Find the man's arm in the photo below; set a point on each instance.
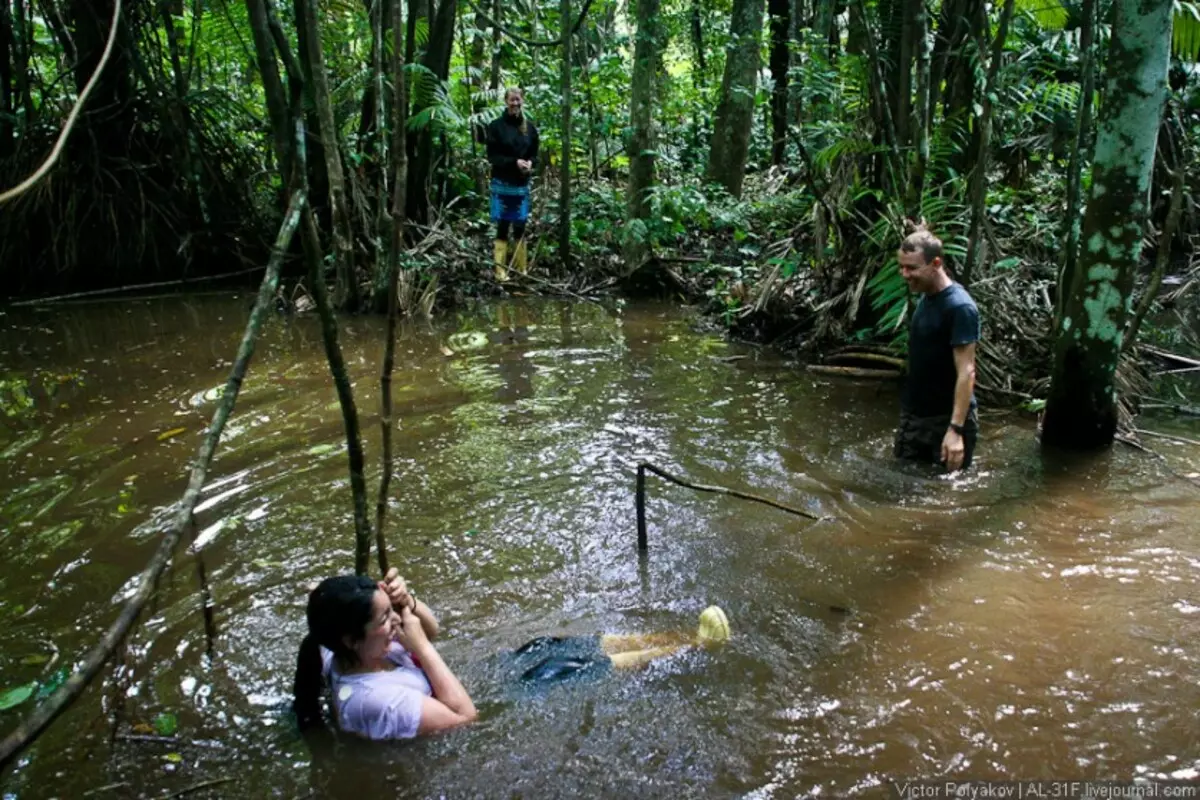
(964, 386)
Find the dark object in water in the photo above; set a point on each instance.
(555, 659)
(556, 670)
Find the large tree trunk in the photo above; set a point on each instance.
(1081, 408)
(642, 150)
(735, 113)
(780, 14)
(437, 61)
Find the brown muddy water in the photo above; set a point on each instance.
(1035, 619)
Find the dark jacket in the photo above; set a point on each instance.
(506, 144)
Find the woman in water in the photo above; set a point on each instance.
(370, 642)
(512, 150)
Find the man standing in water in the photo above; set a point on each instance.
(938, 421)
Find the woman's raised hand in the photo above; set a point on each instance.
(397, 591)
(411, 634)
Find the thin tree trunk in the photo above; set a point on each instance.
(907, 11)
(795, 34)
(951, 27)
(735, 113)
(979, 176)
(179, 110)
(922, 112)
(1083, 132)
(780, 16)
(337, 368)
(6, 80)
(879, 94)
(399, 184)
(642, 152)
(564, 196)
(697, 31)
(347, 285)
(1081, 409)
(494, 78)
(268, 69)
(21, 55)
(381, 10)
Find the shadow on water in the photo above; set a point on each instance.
(1036, 617)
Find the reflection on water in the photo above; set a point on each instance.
(1035, 618)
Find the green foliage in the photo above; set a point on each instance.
(1185, 31)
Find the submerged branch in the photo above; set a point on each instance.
(700, 487)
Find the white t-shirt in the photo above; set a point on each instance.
(379, 705)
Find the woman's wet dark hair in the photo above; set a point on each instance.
(337, 608)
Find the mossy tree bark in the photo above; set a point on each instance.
(1083, 132)
(735, 112)
(347, 285)
(1081, 411)
(399, 187)
(642, 152)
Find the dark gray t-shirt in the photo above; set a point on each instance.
(940, 323)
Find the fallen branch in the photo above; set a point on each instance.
(195, 787)
(1169, 356)
(853, 372)
(892, 361)
(864, 348)
(700, 487)
(1178, 408)
(33, 725)
(1167, 436)
(1010, 392)
(41, 301)
(29, 182)
(1136, 445)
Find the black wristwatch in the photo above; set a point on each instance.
(959, 429)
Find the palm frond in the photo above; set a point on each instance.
(1185, 31)
(1050, 14)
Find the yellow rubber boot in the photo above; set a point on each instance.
(519, 254)
(501, 259)
(714, 626)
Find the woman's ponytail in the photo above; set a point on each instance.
(306, 689)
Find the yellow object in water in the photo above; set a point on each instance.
(714, 626)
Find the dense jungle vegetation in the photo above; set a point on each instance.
(759, 157)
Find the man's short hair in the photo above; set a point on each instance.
(929, 245)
